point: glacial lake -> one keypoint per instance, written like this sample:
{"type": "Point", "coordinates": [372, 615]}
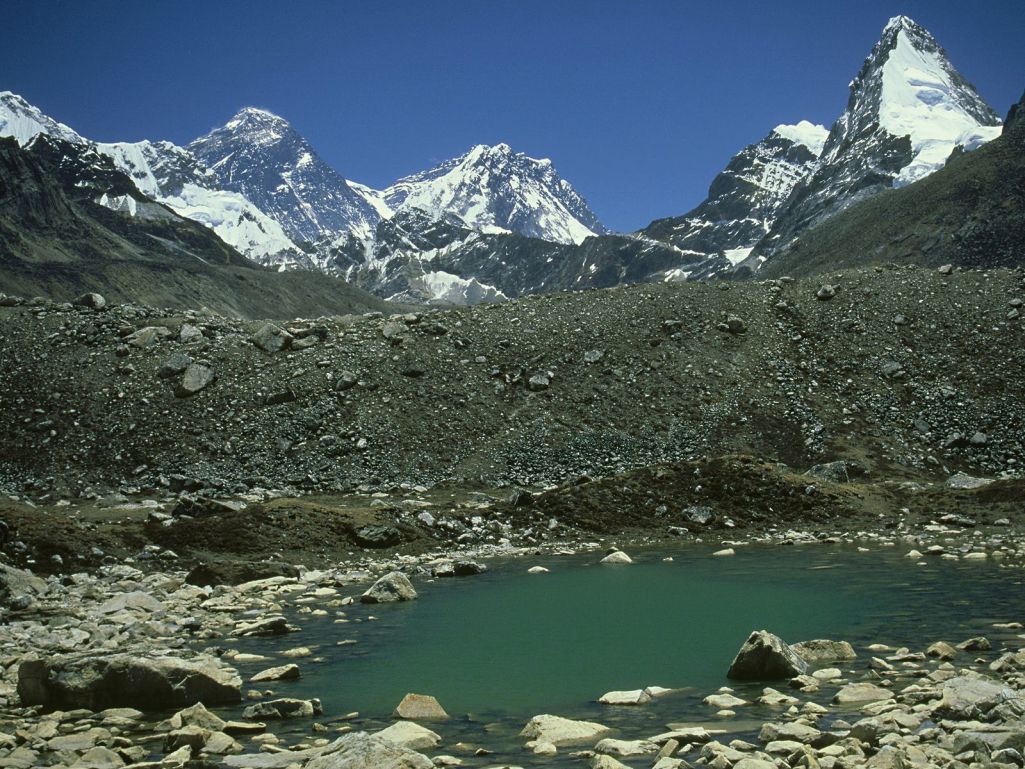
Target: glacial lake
{"type": "Point", "coordinates": [506, 645]}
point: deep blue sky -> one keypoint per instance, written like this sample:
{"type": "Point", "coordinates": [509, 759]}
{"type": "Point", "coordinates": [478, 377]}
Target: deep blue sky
{"type": "Point", "coordinates": [639, 104]}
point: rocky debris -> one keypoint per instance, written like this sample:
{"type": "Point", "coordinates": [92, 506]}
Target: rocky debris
{"type": "Point", "coordinates": [420, 707]}
{"type": "Point", "coordinates": [355, 421]}
{"type": "Point", "coordinates": [357, 750]}
{"type": "Point", "coordinates": [283, 708]}
{"type": "Point", "coordinates": [765, 657]}
{"type": "Point", "coordinates": [390, 588]}
{"type": "Point", "coordinates": [148, 682]}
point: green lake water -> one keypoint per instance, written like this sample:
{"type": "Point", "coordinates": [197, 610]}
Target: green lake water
{"type": "Point", "coordinates": [508, 645]}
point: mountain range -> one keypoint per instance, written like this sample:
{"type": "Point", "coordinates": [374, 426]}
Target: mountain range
{"type": "Point", "coordinates": [495, 224]}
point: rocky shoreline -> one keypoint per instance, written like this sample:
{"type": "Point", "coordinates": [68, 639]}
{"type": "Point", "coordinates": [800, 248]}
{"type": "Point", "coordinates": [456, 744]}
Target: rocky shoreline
{"type": "Point", "coordinates": [93, 653]}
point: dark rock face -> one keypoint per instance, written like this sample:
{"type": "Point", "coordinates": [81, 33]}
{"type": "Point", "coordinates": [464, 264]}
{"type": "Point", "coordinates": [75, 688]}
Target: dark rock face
{"type": "Point", "coordinates": [261, 156]}
{"type": "Point", "coordinates": [98, 682]}
{"type": "Point", "coordinates": [765, 657]}
{"type": "Point", "coordinates": [742, 204]}
{"type": "Point", "coordinates": [1015, 122]}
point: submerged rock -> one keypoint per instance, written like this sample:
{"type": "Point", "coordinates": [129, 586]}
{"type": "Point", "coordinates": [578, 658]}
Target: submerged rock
{"type": "Point", "coordinates": [561, 731]}
{"type": "Point", "coordinates": [617, 556]}
{"type": "Point", "coordinates": [765, 657]}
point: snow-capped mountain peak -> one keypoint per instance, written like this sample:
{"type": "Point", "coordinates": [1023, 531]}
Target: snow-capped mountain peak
{"type": "Point", "coordinates": [925, 98]}
{"type": "Point", "coordinates": [495, 189]}
{"type": "Point", "coordinates": [908, 87]}
{"type": "Point", "coordinates": [24, 121]}
{"type": "Point", "coordinates": [907, 111]}
{"type": "Point", "coordinates": [260, 126]}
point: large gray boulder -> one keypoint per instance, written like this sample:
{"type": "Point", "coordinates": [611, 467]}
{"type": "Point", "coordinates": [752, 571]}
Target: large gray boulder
{"type": "Point", "coordinates": [765, 657]}
{"type": "Point", "coordinates": [149, 682]}
{"type": "Point", "coordinates": [15, 583]}
{"type": "Point", "coordinates": [392, 587]}
{"type": "Point", "coordinates": [967, 697]}
{"type": "Point", "coordinates": [271, 338]}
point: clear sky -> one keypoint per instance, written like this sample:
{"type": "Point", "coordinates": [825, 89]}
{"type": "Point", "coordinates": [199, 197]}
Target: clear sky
{"type": "Point", "coordinates": [638, 103]}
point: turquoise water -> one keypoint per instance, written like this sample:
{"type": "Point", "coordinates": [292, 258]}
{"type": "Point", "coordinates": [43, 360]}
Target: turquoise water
{"type": "Point", "coordinates": [509, 645]}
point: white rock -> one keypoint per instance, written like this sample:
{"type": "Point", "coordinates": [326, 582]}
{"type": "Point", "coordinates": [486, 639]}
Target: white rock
{"type": "Point", "coordinates": [631, 697]}
{"type": "Point", "coordinates": [562, 731]}
{"type": "Point", "coordinates": [409, 735]}
{"type": "Point", "coordinates": [617, 556]}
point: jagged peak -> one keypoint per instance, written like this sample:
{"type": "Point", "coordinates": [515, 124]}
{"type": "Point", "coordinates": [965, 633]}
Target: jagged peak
{"type": "Point", "coordinates": [258, 118]}
{"type": "Point", "coordinates": [806, 133]}
{"type": "Point", "coordinates": [897, 23]}
{"type": "Point", "coordinates": [499, 152]}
